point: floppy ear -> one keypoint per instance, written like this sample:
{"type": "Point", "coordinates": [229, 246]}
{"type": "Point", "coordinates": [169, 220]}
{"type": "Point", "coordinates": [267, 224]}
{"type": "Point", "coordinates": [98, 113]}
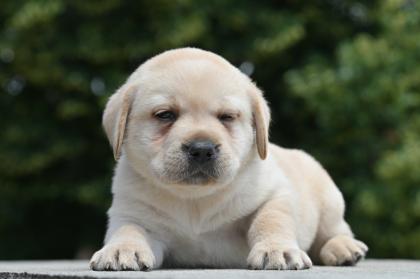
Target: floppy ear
{"type": "Point", "coordinates": [115, 117]}
{"type": "Point", "coordinates": [261, 118]}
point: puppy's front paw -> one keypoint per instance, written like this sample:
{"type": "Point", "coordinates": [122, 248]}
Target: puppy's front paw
{"type": "Point", "coordinates": [266, 256]}
{"type": "Point", "coordinates": [342, 250]}
{"type": "Point", "coordinates": [123, 256]}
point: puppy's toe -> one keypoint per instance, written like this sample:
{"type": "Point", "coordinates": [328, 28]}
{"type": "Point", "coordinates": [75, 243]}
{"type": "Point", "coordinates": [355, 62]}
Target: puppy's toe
{"type": "Point", "coordinates": [342, 250]}
{"type": "Point", "coordinates": [297, 259]}
{"type": "Point", "coordinates": [272, 257]}
{"type": "Point", "coordinates": [122, 257]}
{"type": "Point", "coordinates": [104, 259]}
{"type": "Point", "coordinates": [127, 260]}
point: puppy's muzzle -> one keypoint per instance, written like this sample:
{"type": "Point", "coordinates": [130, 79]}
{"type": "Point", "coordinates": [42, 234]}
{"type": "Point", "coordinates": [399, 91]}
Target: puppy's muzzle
{"type": "Point", "coordinates": [201, 152]}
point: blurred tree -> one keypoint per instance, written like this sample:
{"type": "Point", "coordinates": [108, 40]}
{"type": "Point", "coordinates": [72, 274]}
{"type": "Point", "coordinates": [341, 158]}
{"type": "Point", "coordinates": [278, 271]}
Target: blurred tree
{"type": "Point", "coordinates": [355, 111]}
{"type": "Point", "coordinates": [366, 106]}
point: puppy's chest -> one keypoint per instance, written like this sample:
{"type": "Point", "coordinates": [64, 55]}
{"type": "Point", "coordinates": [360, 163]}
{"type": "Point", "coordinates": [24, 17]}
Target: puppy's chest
{"type": "Point", "coordinates": [197, 236]}
{"type": "Point", "coordinates": [192, 220]}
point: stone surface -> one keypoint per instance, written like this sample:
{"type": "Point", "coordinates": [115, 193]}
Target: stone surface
{"type": "Point", "coordinates": [79, 269]}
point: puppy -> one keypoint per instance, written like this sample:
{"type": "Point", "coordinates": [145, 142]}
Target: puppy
{"type": "Point", "coordinates": [198, 184]}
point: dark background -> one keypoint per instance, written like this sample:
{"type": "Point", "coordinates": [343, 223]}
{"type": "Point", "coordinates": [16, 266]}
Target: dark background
{"type": "Point", "coordinates": [342, 77]}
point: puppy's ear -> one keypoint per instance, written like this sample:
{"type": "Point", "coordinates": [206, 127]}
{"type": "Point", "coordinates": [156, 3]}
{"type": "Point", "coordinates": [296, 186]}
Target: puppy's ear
{"type": "Point", "coordinates": [261, 118]}
{"type": "Point", "coordinates": [115, 117]}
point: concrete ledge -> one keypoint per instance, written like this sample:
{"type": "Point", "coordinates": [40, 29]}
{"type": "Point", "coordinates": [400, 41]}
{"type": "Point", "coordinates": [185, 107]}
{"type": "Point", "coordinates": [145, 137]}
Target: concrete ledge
{"type": "Point", "coordinates": [79, 269]}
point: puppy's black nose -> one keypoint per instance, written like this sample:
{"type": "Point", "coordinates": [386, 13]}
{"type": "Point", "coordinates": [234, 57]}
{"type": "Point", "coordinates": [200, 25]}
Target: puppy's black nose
{"type": "Point", "coordinates": [201, 151]}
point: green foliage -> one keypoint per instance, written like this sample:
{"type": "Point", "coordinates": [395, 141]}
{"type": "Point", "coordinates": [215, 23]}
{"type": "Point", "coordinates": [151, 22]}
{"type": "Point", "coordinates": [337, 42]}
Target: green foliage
{"type": "Point", "coordinates": [366, 105]}
{"type": "Point", "coordinates": [342, 78]}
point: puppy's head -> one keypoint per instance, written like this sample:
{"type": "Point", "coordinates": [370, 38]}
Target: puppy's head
{"type": "Point", "coordinates": [188, 118]}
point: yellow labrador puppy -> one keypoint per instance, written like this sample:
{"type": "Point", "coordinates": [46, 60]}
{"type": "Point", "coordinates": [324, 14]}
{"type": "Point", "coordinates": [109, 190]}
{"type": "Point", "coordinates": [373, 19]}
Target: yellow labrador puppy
{"type": "Point", "coordinates": [198, 184]}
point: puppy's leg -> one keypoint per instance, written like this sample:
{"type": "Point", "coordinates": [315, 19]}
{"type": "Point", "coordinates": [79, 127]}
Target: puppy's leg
{"type": "Point", "coordinates": [335, 244]}
{"type": "Point", "coordinates": [128, 248]}
{"type": "Point", "coordinates": [272, 238]}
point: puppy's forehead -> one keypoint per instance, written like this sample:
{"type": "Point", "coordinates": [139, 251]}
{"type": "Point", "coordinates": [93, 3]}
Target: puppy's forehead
{"type": "Point", "coordinates": [192, 76]}
{"type": "Point", "coordinates": [189, 102]}
{"type": "Point", "coordinates": [195, 65]}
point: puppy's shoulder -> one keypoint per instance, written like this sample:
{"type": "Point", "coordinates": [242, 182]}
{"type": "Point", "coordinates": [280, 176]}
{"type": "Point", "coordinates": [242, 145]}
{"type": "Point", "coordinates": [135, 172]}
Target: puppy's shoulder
{"type": "Point", "coordinates": [125, 179]}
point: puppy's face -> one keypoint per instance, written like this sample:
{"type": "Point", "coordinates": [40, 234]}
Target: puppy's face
{"type": "Point", "coordinates": [191, 119]}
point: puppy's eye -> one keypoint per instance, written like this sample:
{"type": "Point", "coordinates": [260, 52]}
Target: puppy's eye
{"type": "Point", "coordinates": [166, 115]}
{"type": "Point", "coordinates": [226, 117]}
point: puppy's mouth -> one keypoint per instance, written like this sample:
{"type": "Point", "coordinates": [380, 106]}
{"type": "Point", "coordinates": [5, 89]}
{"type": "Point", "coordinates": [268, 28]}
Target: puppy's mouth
{"type": "Point", "coordinates": [199, 162]}
{"type": "Point", "coordinates": [193, 174]}
{"type": "Point", "coordinates": [201, 175]}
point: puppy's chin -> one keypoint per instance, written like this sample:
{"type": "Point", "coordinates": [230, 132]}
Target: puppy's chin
{"type": "Point", "coordinates": [199, 175]}
{"type": "Point", "coordinates": [191, 184]}
{"type": "Point", "coordinates": [193, 176]}
{"type": "Point", "coordinates": [198, 179]}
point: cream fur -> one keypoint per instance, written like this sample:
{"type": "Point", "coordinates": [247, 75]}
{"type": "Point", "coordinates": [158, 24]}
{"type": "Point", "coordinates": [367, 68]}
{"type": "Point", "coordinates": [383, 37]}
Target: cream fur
{"type": "Point", "coordinates": [268, 207]}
